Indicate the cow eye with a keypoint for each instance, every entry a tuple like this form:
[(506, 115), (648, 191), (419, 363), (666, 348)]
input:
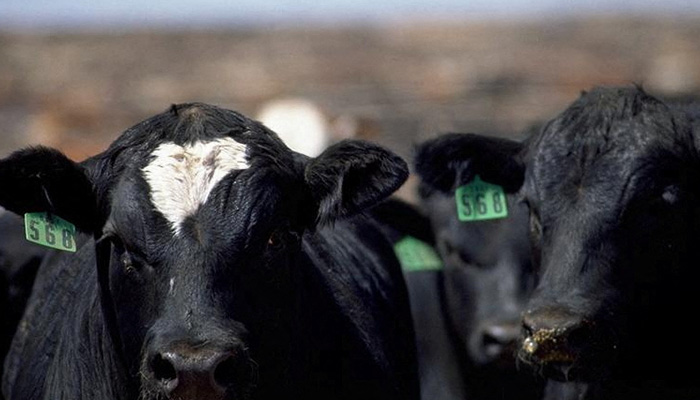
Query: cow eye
[(535, 224), (671, 194), (274, 240), (446, 247), (128, 261), (278, 238), (663, 201), (452, 251), (535, 227), (282, 237)]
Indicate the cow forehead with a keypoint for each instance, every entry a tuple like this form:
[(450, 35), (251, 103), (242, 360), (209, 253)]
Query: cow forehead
[(616, 154), (180, 177)]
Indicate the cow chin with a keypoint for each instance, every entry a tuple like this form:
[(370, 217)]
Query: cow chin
[(158, 394), (153, 390)]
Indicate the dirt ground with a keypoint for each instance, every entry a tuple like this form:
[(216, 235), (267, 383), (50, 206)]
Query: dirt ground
[(397, 84)]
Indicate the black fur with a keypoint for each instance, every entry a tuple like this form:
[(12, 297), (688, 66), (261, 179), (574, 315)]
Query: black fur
[(19, 262), (43, 179), (487, 277), (351, 175), (452, 160), (300, 310), (612, 187)]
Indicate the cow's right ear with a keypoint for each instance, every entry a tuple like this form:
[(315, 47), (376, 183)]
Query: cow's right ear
[(351, 176), (452, 160), (41, 179)]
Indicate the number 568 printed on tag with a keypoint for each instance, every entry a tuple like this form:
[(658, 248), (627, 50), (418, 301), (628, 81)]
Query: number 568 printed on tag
[(49, 230), (479, 200)]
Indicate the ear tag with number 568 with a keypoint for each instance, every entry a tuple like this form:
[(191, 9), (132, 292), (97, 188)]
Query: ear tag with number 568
[(49, 230), (479, 200)]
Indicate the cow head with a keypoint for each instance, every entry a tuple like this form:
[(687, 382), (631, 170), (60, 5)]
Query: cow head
[(611, 186), (202, 211), (488, 274)]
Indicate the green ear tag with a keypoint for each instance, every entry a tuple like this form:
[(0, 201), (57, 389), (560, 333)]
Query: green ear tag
[(416, 255), (479, 200), (50, 231)]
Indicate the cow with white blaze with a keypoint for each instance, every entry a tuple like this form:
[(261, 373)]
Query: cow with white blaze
[(224, 266)]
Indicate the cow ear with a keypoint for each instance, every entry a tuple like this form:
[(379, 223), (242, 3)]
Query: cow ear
[(452, 160), (41, 179), (351, 176)]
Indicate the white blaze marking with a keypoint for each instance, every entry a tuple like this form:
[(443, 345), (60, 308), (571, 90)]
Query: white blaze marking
[(181, 177), (172, 286)]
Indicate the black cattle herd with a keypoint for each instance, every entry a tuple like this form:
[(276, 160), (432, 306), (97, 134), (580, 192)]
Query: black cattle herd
[(198, 257)]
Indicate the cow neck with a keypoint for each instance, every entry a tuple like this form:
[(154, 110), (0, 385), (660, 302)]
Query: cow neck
[(102, 260)]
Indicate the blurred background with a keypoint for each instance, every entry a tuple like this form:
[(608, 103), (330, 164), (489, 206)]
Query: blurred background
[(76, 73)]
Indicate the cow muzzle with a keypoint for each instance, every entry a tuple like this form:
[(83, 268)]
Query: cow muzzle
[(199, 372), (560, 344), (495, 343)]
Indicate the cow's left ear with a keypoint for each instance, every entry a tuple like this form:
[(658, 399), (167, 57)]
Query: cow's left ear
[(452, 160), (351, 176), (41, 179)]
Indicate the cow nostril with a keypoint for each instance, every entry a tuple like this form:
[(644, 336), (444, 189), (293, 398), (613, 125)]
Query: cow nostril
[(493, 346), (500, 335), (498, 340), (490, 340), (225, 371), (163, 369)]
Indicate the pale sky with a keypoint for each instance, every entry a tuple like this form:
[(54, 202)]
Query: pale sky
[(174, 13)]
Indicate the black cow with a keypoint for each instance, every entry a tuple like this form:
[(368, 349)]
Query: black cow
[(19, 261), (612, 185), (225, 266), (438, 363), (486, 280)]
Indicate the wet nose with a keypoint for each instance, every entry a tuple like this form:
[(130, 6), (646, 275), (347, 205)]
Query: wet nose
[(201, 373), (550, 318), (554, 335)]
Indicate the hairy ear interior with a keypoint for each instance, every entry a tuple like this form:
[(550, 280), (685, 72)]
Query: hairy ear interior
[(351, 176), (453, 160), (42, 179)]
